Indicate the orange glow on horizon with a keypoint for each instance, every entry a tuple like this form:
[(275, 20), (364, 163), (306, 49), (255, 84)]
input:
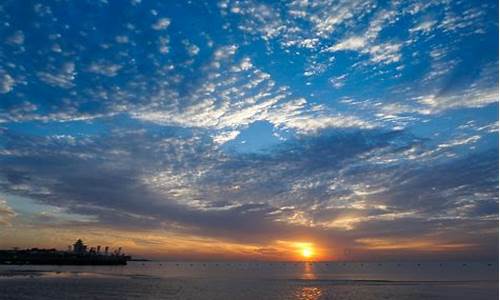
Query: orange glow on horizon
[(172, 245), (304, 250)]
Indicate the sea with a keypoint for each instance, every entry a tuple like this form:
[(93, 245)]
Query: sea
[(253, 280)]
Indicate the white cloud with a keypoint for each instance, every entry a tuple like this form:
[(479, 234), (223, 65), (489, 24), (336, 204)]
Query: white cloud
[(16, 39), (471, 98), (225, 136), (460, 142), (122, 39), (226, 102), (467, 22), (62, 78), (191, 49), (246, 64), (161, 24), (490, 128), (6, 213), (27, 111), (104, 68), (288, 25), (379, 52), (225, 52), (309, 43), (312, 123), (314, 68), (6, 83), (437, 53), (440, 68), (424, 27), (330, 15), (163, 45), (338, 81), (385, 53), (352, 43)]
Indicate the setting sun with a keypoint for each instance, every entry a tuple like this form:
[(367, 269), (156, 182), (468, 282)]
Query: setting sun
[(307, 252)]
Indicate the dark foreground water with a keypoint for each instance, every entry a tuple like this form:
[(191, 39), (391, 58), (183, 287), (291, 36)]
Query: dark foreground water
[(241, 281)]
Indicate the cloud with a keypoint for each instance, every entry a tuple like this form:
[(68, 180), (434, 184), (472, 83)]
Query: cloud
[(7, 83), (402, 150), (423, 27), (161, 24), (352, 43), (380, 52), (332, 184), (234, 94), (385, 53), (104, 68), (16, 39), (441, 96), (6, 213), (338, 81), (193, 50), (472, 98), (300, 25), (468, 21), (63, 78), (224, 137)]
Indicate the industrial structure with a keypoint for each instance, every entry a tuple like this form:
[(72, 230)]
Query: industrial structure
[(77, 254)]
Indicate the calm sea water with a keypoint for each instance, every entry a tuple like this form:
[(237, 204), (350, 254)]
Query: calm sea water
[(252, 280)]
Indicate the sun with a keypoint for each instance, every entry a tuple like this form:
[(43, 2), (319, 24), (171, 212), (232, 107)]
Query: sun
[(307, 252)]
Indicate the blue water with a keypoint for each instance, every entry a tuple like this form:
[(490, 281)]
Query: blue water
[(252, 280)]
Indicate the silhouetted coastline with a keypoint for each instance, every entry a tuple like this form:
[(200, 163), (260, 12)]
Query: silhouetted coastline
[(78, 254)]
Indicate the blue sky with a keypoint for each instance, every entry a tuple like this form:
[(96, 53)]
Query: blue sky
[(348, 124)]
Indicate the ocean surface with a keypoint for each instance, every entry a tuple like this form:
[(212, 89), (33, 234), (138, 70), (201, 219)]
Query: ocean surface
[(253, 280)]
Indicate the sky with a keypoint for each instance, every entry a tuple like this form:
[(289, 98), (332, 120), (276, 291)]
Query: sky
[(251, 130)]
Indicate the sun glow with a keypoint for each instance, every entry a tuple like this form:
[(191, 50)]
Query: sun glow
[(307, 252)]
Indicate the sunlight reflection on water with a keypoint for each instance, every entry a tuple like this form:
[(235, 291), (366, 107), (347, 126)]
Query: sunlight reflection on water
[(308, 272), (309, 293)]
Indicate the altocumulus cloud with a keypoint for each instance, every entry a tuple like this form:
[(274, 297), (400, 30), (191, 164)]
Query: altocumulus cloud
[(360, 124)]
